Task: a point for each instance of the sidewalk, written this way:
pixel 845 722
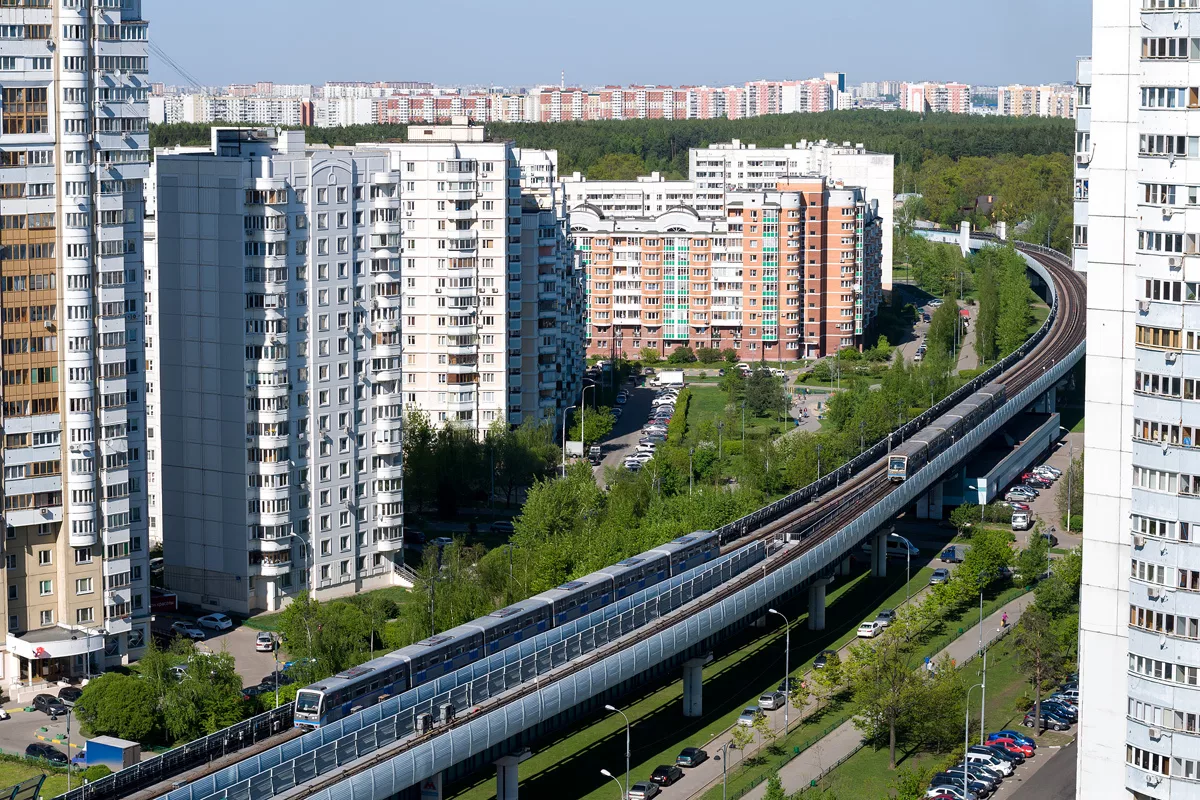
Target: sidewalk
pixel 843 741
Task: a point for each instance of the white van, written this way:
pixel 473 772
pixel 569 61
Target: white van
pixel 897 547
pixel 1022 521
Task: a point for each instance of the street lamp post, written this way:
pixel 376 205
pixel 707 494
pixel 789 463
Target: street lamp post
pixel 721 452
pixel 583 414
pixel 627 750
pixel 1070 461
pixel 608 774
pixel 743 428
pixel 787 668
pixel 566 413
pixel 967 737
pixel 724 761
pixel 818 462
pixel 691 471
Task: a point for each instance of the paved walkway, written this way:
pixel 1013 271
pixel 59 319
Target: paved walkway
pixel 844 740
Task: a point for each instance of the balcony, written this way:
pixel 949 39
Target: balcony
pixel 389 440
pixel 386 300
pixel 389 539
pixel 274 564
pixel 273 544
pixel 388 178
pixel 385 227
pixel 383 201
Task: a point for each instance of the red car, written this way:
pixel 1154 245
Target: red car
pixel 1013 746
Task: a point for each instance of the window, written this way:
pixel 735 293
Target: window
pixel 46 588
pixel 45 558
pixel 83 586
pixel 47 618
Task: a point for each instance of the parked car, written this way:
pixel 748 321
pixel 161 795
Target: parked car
pixel 632 465
pixel 264 642
pixel 823 658
pixel 886 617
pixel 505 526
pixel 1013 746
pixel 991 761
pixel 1067 712
pixel 217 622
pixel 940 575
pixel 70 694
pixel 643 790
pixel 49 704
pixel 666 774
pixel 1015 735
pixel 953 792
pixel 953 554
pixel 188 630
pixel 622 398
pixel 616 412
pixel 1038 483
pixel 978 788
pixel 691 757
pixel 414 537
pixel 788 684
pixel 1028 491
pixel 749 715
pixel 1013 496
pixel 979 773
pixel 772 700
pixel 869 630
pixel 1050 538
pixel 1049 470
pixel 443 541
pixel 934 303
pixel 1000 752
pixel 1018 505
pixel 1069 692
pixel 45 752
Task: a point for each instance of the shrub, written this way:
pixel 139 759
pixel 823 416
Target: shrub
pixel 678 425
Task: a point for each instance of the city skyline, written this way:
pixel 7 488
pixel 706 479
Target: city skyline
pixel 896 39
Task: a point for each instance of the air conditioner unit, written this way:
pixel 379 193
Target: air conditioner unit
pixel 1155 733
pixel 1143 306
pixel 1174 262
pixel 1171 357
pixel 1139 540
pixel 1153 592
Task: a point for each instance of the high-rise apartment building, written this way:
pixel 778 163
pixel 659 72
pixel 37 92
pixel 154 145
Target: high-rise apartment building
pixel 939 98
pixel 1049 100
pixel 776 275
pixel 74 153
pixel 305 299
pixel 1139 650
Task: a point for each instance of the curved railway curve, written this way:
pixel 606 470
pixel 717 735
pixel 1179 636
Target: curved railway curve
pixel 1063 334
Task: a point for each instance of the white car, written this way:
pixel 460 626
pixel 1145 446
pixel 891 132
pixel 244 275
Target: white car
pixel 1055 471
pixel 779 373
pixel 217 622
pixel 264 642
pixel 631 465
pixel 869 630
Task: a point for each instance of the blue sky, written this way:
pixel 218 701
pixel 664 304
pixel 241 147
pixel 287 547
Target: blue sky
pixel 525 42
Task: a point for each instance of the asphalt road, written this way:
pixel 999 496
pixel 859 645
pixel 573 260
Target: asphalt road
pixel 1055 780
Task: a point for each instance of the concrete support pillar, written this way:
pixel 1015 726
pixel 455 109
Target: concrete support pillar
pixel 693 687
pixel 964 238
pixel 879 553
pixel 816 605
pixel 1002 231
pixel 506 774
pixel 935 500
pixel 761 622
pixel 431 787
pixel 923 506
pixel 844 567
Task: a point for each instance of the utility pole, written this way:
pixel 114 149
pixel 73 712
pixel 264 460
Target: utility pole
pixel 1070 463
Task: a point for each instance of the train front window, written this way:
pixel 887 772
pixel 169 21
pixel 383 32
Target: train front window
pixel 897 464
pixel 308 702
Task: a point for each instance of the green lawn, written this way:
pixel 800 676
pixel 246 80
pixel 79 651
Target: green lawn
pixel 746 665
pixel 1039 311
pixel 270 622
pixel 708 404
pixel 13 771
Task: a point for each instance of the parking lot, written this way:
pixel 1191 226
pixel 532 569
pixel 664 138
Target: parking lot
pixel 252 665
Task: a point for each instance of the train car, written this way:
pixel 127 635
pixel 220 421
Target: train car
pixel 634 574
pixel 932 440
pixel 690 551
pixel 574 599
pixel 350 691
pixel 442 654
pixel 513 624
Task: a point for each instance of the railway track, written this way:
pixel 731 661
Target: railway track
pixel 822 519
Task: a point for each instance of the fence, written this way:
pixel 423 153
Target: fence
pixel 181 759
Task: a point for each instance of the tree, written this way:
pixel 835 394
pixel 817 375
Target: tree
pixel 741 737
pixel 1070 492
pixel 1038 655
pixel 733 384
pixel 766 732
pixel 775 788
pixel 681 355
pixel 119 705
pixel 942 327
pixel 887 690
pixel 989 310
pixel 765 393
pixel 648 355
pixel 708 355
pixel 1034 558
pixel 596 425
pixel 1014 292
pixel 207 698
pixel 829 678
pixel 729 355
pixel 617 167
pixel 990 553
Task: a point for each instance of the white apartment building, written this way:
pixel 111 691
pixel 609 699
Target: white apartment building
pixel 74 154
pixel 306 298
pixel 1139 640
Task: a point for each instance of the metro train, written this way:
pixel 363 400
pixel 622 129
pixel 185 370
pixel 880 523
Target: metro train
pixel 938 435
pixel 366 684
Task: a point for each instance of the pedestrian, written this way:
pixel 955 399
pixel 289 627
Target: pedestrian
pixel 1004 620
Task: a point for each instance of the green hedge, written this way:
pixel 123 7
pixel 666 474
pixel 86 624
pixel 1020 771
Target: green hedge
pixel 678 426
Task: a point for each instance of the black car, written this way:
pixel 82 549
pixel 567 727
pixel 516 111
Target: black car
pixel 70 694
pixel 49 704
pixel 691 757
pixel 45 752
pixel 821 660
pixel 1060 710
pixel 997 751
pixel 788 684
pixel 977 787
pixel 666 774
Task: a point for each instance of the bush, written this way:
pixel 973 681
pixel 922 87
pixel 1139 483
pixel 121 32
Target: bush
pixel 681 355
pixel 95 773
pixel 708 355
pixel 729 354
pixel 678 425
pixel 1076 523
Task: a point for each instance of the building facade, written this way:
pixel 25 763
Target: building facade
pixel 776 275
pixel 306 298
pixel 1047 100
pixel 74 154
pixel 1139 649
